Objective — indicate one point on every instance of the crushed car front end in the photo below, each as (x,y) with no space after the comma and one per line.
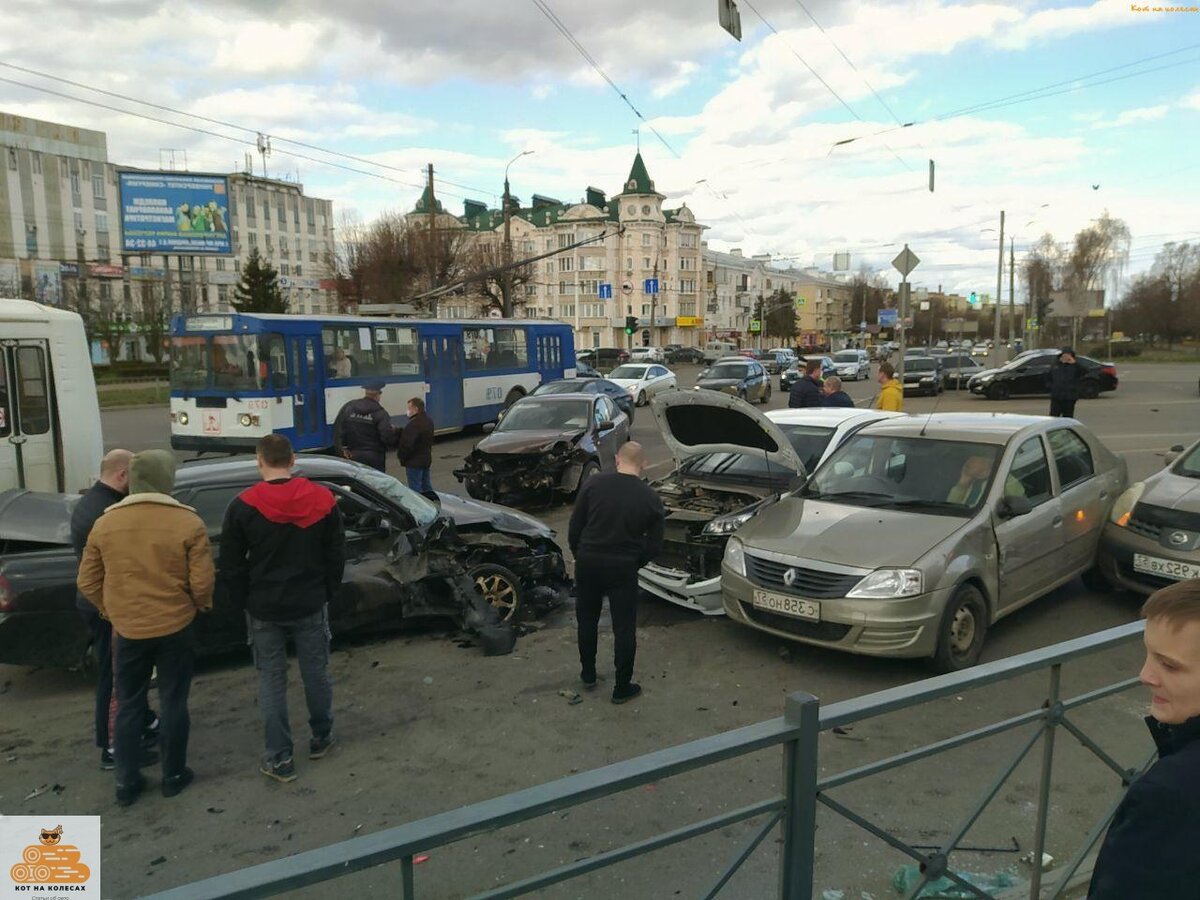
(532,475)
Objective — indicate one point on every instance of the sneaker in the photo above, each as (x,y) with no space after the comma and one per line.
(590,683)
(319,746)
(127,794)
(176,783)
(145,760)
(282,772)
(625,693)
(150,732)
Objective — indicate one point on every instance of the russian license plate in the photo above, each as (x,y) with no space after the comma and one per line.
(788,606)
(1164,568)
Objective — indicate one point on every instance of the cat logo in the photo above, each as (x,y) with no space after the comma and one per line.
(50,862)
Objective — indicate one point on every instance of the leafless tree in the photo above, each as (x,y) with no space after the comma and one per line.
(151,318)
(485,267)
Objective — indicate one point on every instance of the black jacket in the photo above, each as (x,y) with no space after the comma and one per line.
(1150,848)
(1063,380)
(282,549)
(90,507)
(838,398)
(618,519)
(804,393)
(363,425)
(416,442)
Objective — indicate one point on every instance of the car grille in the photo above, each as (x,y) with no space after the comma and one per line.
(814,583)
(817,631)
(1149,521)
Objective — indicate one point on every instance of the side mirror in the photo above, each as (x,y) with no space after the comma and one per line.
(604,426)
(489,427)
(1011,507)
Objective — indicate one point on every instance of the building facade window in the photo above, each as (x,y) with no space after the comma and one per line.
(102,222)
(687,263)
(645,262)
(31,240)
(592,310)
(568,310)
(589,287)
(687,285)
(645,240)
(687,307)
(566,264)
(565,288)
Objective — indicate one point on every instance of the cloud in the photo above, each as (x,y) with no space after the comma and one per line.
(261,48)
(1131,116)
(682,78)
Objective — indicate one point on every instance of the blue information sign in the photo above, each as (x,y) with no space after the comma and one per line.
(889,317)
(604,292)
(175,212)
(650,286)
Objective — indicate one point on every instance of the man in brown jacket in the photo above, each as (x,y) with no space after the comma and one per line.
(148,568)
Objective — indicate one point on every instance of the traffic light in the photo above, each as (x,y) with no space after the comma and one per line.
(630,325)
(973,300)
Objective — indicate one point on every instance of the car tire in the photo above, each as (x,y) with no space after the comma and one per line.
(500,587)
(962,630)
(1088,390)
(1096,581)
(641,399)
(997,391)
(590,468)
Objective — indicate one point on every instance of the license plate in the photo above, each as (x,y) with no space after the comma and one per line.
(1164,568)
(788,606)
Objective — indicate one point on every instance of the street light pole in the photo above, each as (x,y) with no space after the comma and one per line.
(506,279)
(996,349)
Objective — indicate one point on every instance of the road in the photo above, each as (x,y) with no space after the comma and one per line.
(426,726)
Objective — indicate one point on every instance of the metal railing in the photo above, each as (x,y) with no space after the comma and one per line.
(793,810)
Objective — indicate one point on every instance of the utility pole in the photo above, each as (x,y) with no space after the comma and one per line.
(1012,303)
(433,304)
(653,305)
(996,348)
(506,279)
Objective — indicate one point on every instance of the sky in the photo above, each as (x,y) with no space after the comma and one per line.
(1052,110)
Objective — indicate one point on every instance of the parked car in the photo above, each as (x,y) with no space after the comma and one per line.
(981,349)
(957,370)
(603,358)
(647,354)
(796,370)
(785,356)
(851,365)
(643,381)
(922,375)
(1152,537)
(692,355)
(714,350)
(919,533)
(545,447)
(1028,374)
(583,370)
(743,378)
(769,361)
(730,461)
(615,392)
(408,556)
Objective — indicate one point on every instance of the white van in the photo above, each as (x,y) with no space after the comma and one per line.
(49,413)
(715,350)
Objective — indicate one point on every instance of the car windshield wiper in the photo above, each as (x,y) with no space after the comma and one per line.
(921,503)
(849,496)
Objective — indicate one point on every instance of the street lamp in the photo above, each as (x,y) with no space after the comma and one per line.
(506,278)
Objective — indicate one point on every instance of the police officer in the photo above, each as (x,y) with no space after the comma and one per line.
(363,430)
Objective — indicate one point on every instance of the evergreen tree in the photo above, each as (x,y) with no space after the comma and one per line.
(258,291)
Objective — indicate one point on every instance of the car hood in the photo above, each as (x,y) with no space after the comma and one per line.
(525,441)
(917,376)
(36,516)
(465,513)
(697,422)
(716,384)
(846,535)
(1172,492)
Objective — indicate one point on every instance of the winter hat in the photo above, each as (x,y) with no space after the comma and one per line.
(152,472)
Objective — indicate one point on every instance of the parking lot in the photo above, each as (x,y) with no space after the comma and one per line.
(427,723)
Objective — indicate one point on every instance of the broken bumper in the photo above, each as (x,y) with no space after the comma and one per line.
(486,479)
(683,589)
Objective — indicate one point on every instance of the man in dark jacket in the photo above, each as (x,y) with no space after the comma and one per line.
(616,528)
(363,430)
(1064,383)
(1150,848)
(112,488)
(806,390)
(833,395)
(416,447)
(282,555)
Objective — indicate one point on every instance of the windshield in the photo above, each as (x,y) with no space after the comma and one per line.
(923,474)
(850,357)
(808,441)
(563,387)
(920,365)
(234,362)
(633,373)
(733,371)
(423,511)
(1189,464)
(549,415)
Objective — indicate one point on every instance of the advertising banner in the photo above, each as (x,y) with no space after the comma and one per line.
(175,212)
(147,273)
(47,283)
(10,278)
(103,270)
(689,321)
(69,270)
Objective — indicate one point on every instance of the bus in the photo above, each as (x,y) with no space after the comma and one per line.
(49,412)
(238,376)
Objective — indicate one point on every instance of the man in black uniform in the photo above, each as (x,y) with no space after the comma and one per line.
(1064,384)
(363,430)
(616,528)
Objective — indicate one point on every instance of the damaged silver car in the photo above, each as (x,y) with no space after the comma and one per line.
(545,447)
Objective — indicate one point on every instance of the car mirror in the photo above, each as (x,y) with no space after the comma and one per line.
(605,426)
(489,427)
(1011,507)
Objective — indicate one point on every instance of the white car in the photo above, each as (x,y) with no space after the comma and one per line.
(647,354)
(643,380)
(851,365)
(732,460)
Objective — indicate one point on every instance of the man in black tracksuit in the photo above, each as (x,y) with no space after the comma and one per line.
(363,430)
(282,556)
(1064,383)
(616,528)
(806,390)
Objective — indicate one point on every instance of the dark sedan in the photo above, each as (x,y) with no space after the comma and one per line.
(614,392)
(958,368)
(546,447)
(407,557)
(743,378)
(1029,374)
(693,355)
(922,375)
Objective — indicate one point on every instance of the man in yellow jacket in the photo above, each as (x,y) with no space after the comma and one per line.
(148,568)
(891,391)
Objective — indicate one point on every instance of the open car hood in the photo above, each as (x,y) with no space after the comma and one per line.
(698,422)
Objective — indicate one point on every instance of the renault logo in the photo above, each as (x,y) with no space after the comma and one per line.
(789,577)
(1178,538)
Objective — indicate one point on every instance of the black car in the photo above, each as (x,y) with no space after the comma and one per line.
(922,375)
(581,385)
(958,368)
(1029,374)
(407,556)
(603,358)
(583,370)
(693,355)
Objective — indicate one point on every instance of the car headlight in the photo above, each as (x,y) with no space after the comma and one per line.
(485,467)
(735,556)
(728,524)
(183,418)
(886,584)
(1122,510)
(928,379)
(696,387)
(984,379)
(246,420)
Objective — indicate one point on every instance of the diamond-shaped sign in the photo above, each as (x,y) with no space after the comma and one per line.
(905,261)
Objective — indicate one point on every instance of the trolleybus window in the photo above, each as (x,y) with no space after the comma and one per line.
(495,348)
(233,361)
(189,363)
(370,350)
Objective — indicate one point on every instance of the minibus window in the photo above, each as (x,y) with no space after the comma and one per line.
(5,409)
(33,401)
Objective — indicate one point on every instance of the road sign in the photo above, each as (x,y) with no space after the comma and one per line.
(924,306)
(888,317)
(905,261)
(604,292)
(755,326)
(626,287)
(650,286)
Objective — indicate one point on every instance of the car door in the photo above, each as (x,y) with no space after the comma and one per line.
(1032,375)
(1084,497)
(1029,546)
(604,410)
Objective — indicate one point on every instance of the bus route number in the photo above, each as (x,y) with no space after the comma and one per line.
(257,404)
(495,394)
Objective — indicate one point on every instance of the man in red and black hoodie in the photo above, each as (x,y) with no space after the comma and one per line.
(282,555)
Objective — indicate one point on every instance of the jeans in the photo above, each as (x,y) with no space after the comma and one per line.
(418,479)
(594,581)
(106,697)
(310,635)
(173,656)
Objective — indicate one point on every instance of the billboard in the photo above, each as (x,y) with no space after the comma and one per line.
(175,212)
(47,283)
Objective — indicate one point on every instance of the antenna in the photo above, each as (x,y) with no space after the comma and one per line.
(264,150)
(937,400)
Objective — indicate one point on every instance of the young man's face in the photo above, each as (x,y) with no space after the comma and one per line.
(1172,670)
(412,410)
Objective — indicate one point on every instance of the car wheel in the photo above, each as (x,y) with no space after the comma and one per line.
(997,391)
(1096,581)
(766,398)
(964,626)
(500,587)
(641,398)
(590,468)
(1089,390)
